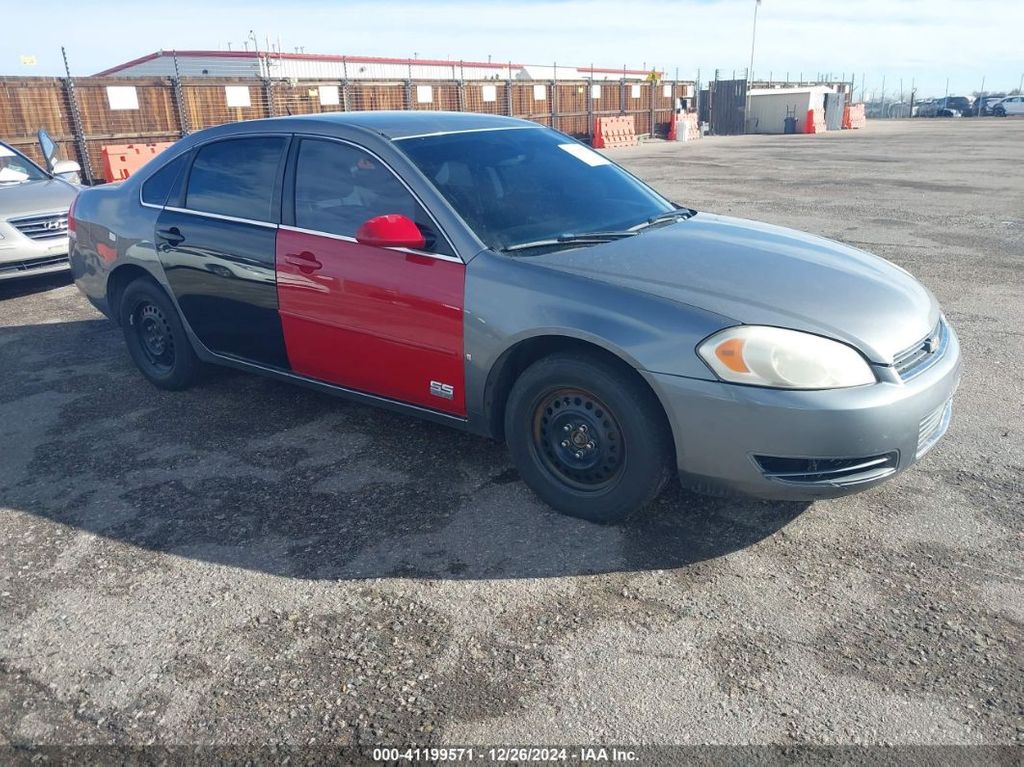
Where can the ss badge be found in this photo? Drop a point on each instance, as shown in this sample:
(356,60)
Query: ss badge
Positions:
(439,389)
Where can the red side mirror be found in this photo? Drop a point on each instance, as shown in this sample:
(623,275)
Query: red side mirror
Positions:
(391,231)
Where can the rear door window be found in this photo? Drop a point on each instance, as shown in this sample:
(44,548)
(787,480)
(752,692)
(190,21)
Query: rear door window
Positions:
(237,177)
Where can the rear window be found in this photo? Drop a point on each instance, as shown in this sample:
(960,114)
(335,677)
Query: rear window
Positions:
(236,177)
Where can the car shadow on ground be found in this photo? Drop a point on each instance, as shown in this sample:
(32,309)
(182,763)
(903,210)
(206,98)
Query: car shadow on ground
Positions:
(23,286)
(248,472)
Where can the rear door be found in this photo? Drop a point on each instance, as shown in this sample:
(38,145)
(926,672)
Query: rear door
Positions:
(378,320)
(217,245)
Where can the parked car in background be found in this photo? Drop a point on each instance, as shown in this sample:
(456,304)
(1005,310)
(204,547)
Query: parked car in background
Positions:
(502,278)
(1011,105)
(953,106)
(926,108)
(983,106)
(34,211)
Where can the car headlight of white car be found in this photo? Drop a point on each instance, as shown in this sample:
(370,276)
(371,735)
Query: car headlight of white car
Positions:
(783,359)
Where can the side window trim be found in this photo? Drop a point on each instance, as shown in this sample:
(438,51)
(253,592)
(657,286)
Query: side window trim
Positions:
(221,216)
(345,238)
(288,207)
(276,197)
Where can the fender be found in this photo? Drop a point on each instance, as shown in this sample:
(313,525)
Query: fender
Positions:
(506,296)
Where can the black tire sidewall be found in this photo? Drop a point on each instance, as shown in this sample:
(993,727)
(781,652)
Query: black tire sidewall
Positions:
(645,435)
(184,369)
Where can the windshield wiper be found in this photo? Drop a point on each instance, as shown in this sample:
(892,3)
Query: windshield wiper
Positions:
(678,214)
(585,238)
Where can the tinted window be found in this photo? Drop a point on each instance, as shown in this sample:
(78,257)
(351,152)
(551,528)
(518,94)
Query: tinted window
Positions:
(522,185)
(156,188)
(338,187)
(236,177)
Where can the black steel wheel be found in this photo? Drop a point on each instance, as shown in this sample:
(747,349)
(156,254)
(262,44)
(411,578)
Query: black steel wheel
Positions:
(588,436)
(156,338)
(578,439)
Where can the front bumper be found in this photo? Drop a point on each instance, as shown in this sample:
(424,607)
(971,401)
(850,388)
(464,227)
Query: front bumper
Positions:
(723,433)
(22,256)
(15,269)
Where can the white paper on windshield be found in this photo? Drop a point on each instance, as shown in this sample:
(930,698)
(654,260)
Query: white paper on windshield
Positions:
(580,152)
(8,175)
(329,95)
(122,97)
(237,95)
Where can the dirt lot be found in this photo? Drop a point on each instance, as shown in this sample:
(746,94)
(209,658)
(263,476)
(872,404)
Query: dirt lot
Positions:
(251,562)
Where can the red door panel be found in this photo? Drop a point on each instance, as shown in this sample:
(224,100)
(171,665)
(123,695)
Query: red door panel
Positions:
(380,321)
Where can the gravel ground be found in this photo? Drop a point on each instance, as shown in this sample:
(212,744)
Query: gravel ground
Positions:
(249,562)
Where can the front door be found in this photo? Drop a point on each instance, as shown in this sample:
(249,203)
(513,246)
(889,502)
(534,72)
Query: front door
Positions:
(217,247)
(378,320)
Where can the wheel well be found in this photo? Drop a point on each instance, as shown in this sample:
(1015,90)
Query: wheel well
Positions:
(515,360)
(120,279)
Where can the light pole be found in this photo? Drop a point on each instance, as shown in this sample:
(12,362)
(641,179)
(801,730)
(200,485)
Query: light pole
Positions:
(750,69)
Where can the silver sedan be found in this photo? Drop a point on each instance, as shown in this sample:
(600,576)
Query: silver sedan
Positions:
(502,278)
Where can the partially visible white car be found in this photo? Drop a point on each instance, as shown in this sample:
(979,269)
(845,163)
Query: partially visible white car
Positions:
(1011,105)
(34,211)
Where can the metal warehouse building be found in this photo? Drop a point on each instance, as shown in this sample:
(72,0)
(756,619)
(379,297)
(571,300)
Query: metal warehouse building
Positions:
(305,66)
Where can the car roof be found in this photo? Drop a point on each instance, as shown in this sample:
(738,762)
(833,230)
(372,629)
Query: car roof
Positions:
(399,125)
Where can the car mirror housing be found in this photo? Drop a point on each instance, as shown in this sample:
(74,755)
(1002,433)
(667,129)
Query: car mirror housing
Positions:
(66,166)
(392,230)
(67,170)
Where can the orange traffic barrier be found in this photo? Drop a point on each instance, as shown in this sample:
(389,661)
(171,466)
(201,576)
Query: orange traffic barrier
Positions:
(610,132)
(854,117)
(814,122)
(122,160)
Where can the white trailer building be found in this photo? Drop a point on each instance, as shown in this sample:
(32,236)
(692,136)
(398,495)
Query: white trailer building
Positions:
(769,107)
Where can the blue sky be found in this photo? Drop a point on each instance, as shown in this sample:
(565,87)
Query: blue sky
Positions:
(924,41)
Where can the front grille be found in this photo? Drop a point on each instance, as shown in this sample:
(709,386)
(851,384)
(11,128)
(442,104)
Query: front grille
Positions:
(932,427)
(31,264)
(45,226)
(922,355)
(827,471)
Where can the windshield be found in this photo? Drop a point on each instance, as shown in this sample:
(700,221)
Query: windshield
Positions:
(517,186)
(15,168)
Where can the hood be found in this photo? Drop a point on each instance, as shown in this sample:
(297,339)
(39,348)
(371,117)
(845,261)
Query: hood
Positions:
(35,197)
(759,274)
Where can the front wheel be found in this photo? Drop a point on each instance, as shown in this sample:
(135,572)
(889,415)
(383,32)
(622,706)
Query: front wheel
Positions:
(587,437)
(156,338)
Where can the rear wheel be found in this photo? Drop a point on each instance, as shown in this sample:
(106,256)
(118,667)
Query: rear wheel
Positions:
(587,437)
(156,338)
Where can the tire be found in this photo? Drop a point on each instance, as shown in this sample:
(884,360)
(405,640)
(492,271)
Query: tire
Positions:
(156,338)
(616,455)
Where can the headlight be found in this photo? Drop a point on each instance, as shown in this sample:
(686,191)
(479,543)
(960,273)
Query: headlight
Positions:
(783,359)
